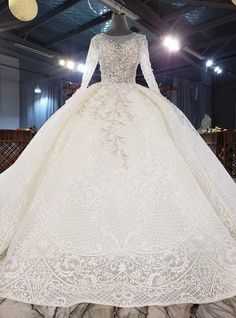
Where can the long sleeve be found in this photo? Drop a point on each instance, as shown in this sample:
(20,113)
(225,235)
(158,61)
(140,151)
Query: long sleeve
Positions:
(91,62)
(146,66)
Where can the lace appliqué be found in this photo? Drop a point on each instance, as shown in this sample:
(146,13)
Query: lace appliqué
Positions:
(117,116)
(111,136)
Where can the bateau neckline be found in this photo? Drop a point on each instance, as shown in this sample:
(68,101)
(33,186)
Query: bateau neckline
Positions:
(115,36)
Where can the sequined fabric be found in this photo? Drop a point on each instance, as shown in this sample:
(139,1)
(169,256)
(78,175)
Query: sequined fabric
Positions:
(119,57)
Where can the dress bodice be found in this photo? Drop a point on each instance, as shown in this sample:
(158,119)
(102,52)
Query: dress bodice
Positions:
(119,57)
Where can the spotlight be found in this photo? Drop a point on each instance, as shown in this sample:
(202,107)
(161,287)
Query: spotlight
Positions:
(70,65)
(37,90)
(81,68)
(171,43)
(218,70)
(62,62)
(209,63)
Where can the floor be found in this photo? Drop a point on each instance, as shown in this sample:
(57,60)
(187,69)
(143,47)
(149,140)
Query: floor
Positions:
(220,309)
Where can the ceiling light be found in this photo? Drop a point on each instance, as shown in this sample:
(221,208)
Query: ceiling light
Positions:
(171,43)
(218,70)
(62,62)
(81,68)
(30,49)
(24,10)
(209,63)
(70,65)
(37,90)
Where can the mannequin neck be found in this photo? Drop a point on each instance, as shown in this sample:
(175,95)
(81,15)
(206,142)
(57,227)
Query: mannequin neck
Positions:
(119,25)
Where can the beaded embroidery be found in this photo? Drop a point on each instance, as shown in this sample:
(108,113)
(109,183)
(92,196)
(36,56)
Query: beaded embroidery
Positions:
(118,57)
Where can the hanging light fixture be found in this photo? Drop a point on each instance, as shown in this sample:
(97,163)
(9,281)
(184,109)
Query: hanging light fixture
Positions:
(24,10)
(37,90)
(234,2)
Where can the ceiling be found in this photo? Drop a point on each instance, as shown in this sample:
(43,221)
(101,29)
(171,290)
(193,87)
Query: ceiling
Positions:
(63,28)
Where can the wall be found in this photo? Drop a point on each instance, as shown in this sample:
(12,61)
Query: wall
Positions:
(9,93)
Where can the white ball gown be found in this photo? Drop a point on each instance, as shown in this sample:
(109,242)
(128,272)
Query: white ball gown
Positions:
(117,200)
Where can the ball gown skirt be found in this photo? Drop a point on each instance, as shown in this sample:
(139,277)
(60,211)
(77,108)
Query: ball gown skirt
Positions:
(117,200)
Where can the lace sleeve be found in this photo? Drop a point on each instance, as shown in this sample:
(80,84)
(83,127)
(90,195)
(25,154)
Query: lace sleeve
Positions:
(91,62)
(146,66)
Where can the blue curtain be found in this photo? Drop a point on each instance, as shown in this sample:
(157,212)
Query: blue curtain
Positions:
(35,109)
(193,99)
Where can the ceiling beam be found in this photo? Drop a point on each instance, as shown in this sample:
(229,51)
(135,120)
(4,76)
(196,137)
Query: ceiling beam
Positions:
(100,19)
(147,15)
(178,13)
(204,26)
(226,55)
(212,24)
(213,42)
(8,40)
(203,3)
(46,17)
(221,58)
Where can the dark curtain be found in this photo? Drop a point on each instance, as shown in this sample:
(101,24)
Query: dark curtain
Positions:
(35,109)
(224,104)
(193,99)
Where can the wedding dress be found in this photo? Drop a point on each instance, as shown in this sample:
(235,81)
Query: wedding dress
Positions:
(117,200)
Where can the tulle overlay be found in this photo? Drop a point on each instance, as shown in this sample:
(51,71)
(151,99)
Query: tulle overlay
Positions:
(117,200)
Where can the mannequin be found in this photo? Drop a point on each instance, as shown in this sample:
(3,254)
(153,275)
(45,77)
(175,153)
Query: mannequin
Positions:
(119,25)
